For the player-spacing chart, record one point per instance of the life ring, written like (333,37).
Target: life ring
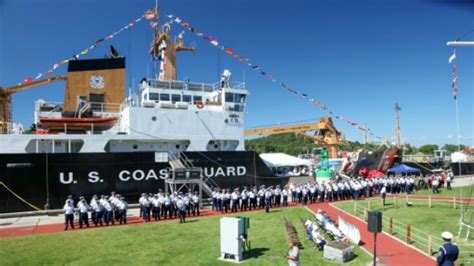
(355,157)
(199,105)
(305,171)
(296,171)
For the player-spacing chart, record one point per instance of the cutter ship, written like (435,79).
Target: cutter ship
(99,140)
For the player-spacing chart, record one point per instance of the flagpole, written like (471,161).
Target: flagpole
(455,44)
(398,127)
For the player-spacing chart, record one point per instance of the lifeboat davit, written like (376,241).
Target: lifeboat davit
(74,123)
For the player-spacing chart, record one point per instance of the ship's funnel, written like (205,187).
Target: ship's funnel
(100,82)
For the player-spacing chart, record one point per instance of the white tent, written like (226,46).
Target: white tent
(282,160)
(458,157)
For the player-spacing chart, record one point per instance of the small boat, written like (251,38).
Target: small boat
(74,123)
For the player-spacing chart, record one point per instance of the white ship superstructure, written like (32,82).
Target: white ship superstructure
(171,116)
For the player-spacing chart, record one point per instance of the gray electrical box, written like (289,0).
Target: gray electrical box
(233,237)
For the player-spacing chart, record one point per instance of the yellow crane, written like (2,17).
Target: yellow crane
(6,99)
(324,133)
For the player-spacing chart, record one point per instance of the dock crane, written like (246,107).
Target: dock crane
(6,98)
(324,133)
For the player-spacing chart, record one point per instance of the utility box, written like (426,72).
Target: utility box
(234,237)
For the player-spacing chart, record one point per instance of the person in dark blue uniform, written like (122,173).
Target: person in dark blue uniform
(448,253)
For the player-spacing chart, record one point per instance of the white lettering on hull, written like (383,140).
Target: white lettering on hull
(142,175)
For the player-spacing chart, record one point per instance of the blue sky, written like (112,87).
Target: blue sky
(357,57)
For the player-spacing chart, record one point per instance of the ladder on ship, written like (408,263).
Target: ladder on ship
(184,176)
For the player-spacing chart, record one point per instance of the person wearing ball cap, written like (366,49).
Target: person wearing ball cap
(448,253)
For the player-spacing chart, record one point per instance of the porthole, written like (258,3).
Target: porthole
(135,146)
(153,118)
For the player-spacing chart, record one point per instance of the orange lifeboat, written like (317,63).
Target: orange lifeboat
(77,124)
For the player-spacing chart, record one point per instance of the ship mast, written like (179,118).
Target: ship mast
(397,118)
(164,48)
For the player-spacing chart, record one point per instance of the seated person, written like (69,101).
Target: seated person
(309,227)
(321,217)
(318,238)
(332,228)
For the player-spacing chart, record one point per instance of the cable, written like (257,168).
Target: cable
(19,197)
(465,34)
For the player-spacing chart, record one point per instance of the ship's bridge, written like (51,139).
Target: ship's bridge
(185,95)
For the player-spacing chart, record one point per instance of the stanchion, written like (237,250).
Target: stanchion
(365,214)
(429,202)
(430,245)
(454,203)
(368,205)
(390,226)
(408,234)
(355,207)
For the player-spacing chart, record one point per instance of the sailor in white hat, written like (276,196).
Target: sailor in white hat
(448,252)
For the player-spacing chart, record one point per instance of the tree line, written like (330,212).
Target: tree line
(295,144)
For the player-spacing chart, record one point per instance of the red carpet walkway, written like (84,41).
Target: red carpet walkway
(389,250)
(56,228)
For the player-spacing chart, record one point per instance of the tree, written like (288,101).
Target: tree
(452,147)
(428,149)
(410,149)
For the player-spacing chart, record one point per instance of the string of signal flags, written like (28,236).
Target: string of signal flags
(173,19)
(150,15)
(86,50)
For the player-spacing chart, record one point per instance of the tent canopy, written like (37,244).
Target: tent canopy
(282,159)
(404,169)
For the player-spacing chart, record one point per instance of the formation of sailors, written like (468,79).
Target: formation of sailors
(112,209)
(250,198)
(355,189)
(166,206)
(105,209)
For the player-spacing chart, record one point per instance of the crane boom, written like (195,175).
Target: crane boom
(326,133)
(6,98)
(26,86)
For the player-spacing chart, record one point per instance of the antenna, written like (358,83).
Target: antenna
(218,64)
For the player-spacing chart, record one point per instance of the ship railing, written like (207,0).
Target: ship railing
(192,86)
(180,85)
(232,85)
(51,109)
(8,128)
(420,159)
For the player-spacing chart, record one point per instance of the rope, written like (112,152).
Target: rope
(19,197)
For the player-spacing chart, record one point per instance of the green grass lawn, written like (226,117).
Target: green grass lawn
(423,220)
(455,192)
(166,243)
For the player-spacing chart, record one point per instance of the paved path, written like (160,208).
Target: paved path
(389,250)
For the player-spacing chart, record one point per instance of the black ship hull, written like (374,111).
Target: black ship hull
(49,178)
(467,168)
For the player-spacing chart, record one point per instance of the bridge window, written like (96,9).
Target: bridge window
(229,97)
(187,98)
(239,98)
(154,97)
(175,98)
(236,108)
(164,97)
(197,99)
